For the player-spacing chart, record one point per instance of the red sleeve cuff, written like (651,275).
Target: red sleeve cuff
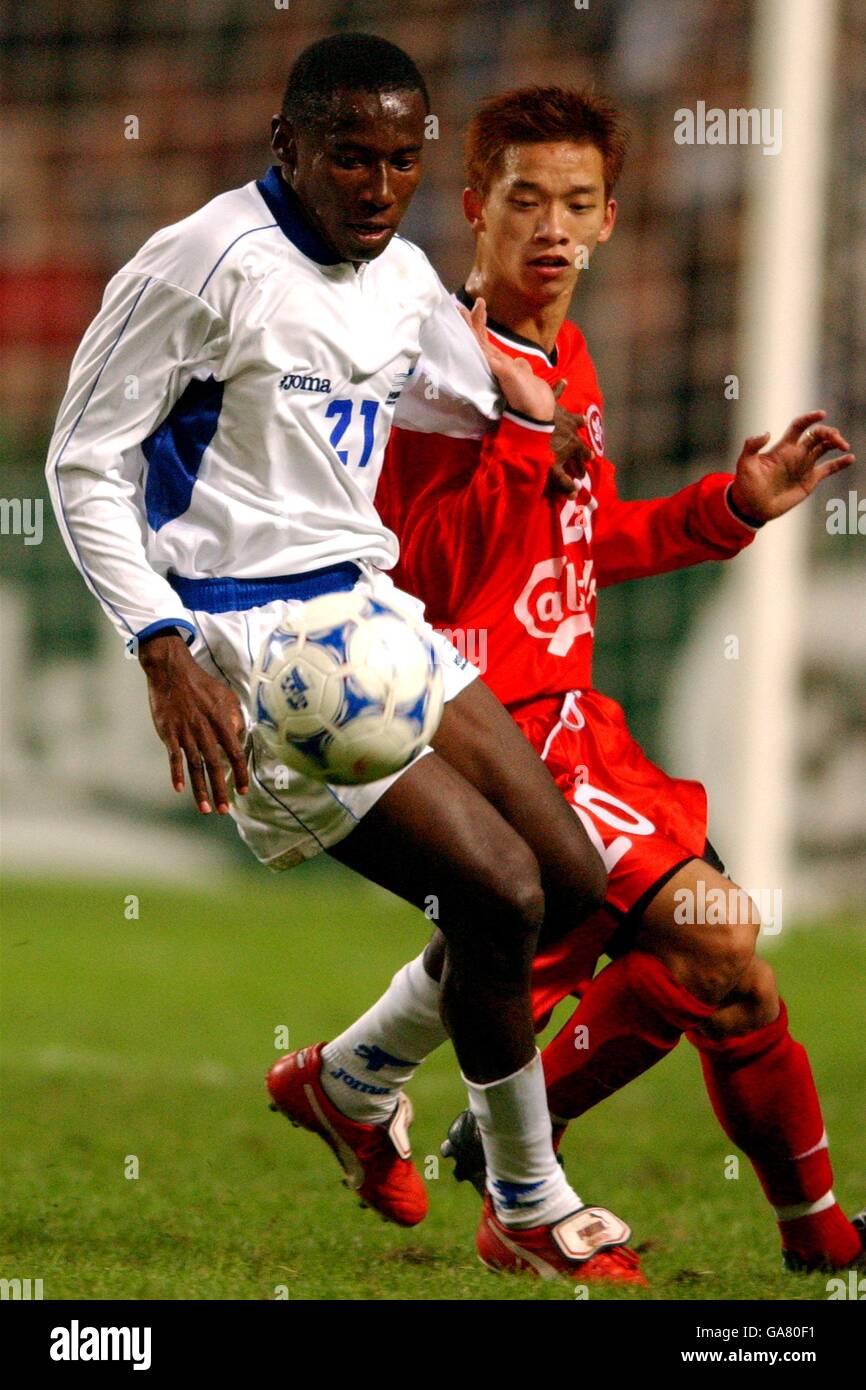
(527,436)
(735,510)
(528,421)
(721,522)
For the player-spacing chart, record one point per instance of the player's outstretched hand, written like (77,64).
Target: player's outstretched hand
(769,484)
(195,715)
(570,453)
(523,390)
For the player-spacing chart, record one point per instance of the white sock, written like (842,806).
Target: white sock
(527,1185)
(365,1067)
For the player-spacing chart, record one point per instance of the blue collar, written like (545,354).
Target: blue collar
(293,222)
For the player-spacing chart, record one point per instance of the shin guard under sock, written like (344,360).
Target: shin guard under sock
(632,1014)
(761,1088)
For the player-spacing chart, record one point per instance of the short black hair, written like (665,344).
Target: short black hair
(347,62)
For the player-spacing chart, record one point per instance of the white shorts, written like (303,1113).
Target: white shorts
(287,817)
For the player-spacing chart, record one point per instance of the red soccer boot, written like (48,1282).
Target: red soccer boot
(587,1247)
(376,1159)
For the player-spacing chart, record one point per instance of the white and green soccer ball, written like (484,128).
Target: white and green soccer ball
(348,689)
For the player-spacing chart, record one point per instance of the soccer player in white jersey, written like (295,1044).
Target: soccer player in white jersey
(214,462)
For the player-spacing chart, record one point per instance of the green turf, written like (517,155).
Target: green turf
(150,1038)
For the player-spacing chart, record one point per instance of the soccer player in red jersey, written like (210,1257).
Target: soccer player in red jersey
(496,551)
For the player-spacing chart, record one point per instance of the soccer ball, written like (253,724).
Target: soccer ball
(348,690)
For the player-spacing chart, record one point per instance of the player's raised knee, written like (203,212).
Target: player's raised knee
(514,895)
(732,944)
(521,890)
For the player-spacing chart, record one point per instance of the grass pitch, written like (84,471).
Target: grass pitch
(140,1159)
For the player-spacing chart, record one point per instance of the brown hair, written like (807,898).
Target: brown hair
(533,115)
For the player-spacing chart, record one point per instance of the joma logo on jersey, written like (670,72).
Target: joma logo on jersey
(293,381)
(554,600)
(295,688)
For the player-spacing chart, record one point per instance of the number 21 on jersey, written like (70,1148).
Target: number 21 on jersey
(341,411)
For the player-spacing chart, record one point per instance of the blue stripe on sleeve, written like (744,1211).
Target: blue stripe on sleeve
(175,450)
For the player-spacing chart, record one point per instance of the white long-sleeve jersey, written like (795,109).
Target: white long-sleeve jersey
(228,408)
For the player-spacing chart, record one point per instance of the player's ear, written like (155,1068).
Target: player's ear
(283,141)
(473,208)
(608,224)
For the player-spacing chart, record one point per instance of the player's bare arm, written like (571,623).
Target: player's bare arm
(767,484)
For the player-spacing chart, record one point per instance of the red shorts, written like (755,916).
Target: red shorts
(644,824)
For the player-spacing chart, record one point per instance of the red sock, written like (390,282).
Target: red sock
(762,1090)
(634,1013)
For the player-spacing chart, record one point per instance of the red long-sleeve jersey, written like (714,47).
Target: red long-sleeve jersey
(516,571)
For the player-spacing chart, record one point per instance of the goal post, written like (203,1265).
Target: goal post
(780,318)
